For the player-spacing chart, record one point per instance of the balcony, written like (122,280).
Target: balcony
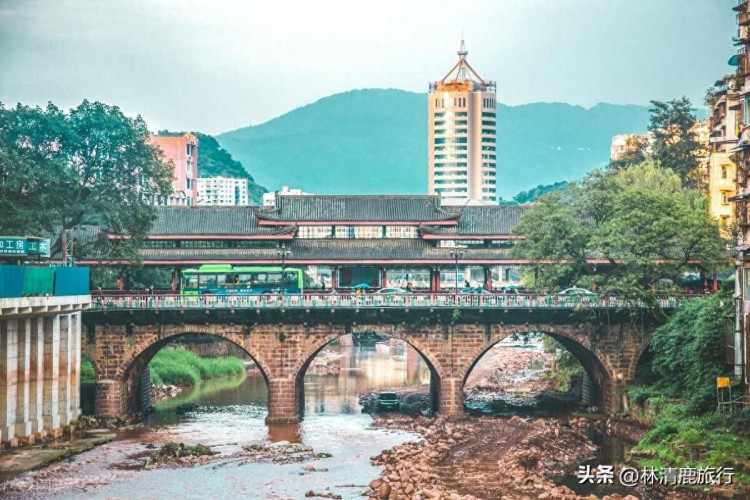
(743,18)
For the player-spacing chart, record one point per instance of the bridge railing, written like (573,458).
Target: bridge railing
(402,301)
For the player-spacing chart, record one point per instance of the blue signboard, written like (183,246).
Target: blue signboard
(13,246)
(38,247)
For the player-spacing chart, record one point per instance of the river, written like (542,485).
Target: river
(227,414)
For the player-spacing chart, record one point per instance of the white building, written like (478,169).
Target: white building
(222,191)
(624,143)
(269,199)
(462,138)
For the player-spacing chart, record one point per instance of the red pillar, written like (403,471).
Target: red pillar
(383,280)
(121,282)
(334,270)
(435,279)
(487,278)
(716,282)
(174,280)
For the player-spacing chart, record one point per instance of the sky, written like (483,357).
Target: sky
(218,65)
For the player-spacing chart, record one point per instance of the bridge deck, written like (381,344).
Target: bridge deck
(340,301)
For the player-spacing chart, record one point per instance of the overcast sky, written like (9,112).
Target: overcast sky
(216,65)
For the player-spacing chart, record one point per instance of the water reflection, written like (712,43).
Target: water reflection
(362,369)
(229,412)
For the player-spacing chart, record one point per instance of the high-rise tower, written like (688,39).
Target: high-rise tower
(462,136)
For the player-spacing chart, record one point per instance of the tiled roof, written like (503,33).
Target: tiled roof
(484,220)
(211,221)
(357,208)
(333,250)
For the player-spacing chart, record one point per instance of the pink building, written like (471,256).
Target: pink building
(183,152)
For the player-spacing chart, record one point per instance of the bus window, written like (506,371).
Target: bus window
(221,280)
(274,278)
(290,278)
(245,279)
(191,281)
(207,280)
(259,279)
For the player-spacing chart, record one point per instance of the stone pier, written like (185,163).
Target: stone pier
(40,355)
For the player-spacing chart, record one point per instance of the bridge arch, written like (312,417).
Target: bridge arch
(434,366)
(594,358)
(129,372)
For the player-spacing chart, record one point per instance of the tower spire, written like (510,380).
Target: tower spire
(462,53)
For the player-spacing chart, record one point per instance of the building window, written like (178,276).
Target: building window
(724,170)
(368,232)
(314,232)
(401,232)
(487,114)
(344,232)
(725,197)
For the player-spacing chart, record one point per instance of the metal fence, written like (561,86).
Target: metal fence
(401,301)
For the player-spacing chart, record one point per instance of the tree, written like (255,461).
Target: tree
(641,221)
(675,145)
(689,350)
(91,165)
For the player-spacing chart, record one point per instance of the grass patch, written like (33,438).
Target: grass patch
(182,367)
(681,439)
(87,371)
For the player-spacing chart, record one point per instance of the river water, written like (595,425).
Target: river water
(227,414)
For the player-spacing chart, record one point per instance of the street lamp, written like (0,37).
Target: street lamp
(455,255)
(283,254)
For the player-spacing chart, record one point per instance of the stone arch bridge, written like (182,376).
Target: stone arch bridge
(283,334)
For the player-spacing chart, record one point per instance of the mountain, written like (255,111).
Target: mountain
(375,141)
(215,161)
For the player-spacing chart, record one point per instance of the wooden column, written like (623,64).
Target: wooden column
(487,278)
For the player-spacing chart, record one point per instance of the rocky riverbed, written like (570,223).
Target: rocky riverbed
(485,458)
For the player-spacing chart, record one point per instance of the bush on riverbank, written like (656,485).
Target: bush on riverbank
(182,367)
(681,439)
(676,392)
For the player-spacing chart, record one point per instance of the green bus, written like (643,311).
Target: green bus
(225,279)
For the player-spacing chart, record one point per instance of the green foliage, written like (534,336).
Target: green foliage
(182,367)
(647,226)
(91,165)
(689,350)
(215,161)
(681,439)
(675,146)
(539,191)
(87,371)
